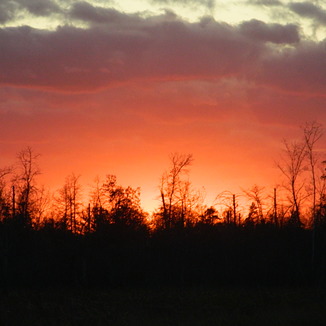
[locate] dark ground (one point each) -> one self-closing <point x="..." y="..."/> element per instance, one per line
<point x="165" y="306"/>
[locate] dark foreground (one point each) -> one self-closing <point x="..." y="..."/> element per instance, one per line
<point x="165" y="306"/>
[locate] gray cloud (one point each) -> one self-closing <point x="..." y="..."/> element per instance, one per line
<point x="9" y="9"/>
<point x="210" y="4"/>
<point x="141" y="48"/>
<point x="302" y="69"/>
<point x="40" y="7"/>
<point x="309" y="10"/>
<point x="275" y="33"/>
<point x="87" y="12"/>
<point x="130" y="47"/>
<point x="268" y="3"/>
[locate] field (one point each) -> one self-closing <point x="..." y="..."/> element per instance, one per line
<point x="165" y="306"/>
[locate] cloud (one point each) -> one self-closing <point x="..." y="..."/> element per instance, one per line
<point x="129" y="48"/>
<point x="268" y="3"/>
<point x="275" y="33"/>
<point x="10" y="9"/>
<point x="7" y="10"/>
<point x="309" y="10"/>
<point x="302" y="69"/>
<point x="119" y="48"/>
<point x="86" y="12"/>
<point x="210" y="4"/>
<point x="39" y="7"/>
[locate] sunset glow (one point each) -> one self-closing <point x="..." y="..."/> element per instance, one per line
<point x="115" y="87"/>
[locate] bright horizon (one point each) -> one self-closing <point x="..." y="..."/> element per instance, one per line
<point x="114" y="87"/>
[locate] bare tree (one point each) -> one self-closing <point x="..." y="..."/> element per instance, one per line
<point x="4" y="193"/>
<point x="173" y="188"/>
<point x="69" y="202"/>
<point x="292" y="167"/>
<point x="41" y="206"/>
<point x="320" y="217"/>
<point x="25" y="181"/>
<point x="312" y="132"/>
<point x="255" y="194"/>
<point x="191" y="204"/>
<point x="95" y="208"/>
<point x="231" y="202"/>
<point x="97" y="195"/>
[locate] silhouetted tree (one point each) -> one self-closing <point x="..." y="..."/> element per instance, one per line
<point x="253" y="215"/>
<point x="191" y="205"/>
<point x="320" y="218"/>
<point x="230" y="201"/>
<point x="228" y="216"/>
<point x="41" y="207"/>
<point x="5" y="194"/>
<point x="292" y="167"/>
<point x="274" y="216"/>
<point x="69" y="203"/>
<point x="174" y="190"/>
<point x="116" y="205"/>
<point x="25" y="184"/>
<point x="210" y="216"/>
<point x="312" y="132"/>
<point x="255" y="193"/>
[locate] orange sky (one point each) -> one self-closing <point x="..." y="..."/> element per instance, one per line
<point x="115" y="92"/>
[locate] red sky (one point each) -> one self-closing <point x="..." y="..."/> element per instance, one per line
<point x="104" y="90"/>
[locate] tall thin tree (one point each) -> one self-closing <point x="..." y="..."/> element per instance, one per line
<point x="312" y="132"/>
<point x="292" y="167"/>
<point x="28" y="170"/>
<point x="172" y="185"/>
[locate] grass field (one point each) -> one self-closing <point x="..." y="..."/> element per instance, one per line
<point x="165" y="306"/>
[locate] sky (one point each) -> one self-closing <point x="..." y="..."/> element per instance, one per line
<point x="114" y="87"/>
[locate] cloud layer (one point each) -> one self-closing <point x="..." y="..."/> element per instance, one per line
<point x="120" y="47"/>
<point x="116" y="47"/>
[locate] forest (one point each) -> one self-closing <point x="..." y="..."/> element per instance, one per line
<point x="109" y="240"/>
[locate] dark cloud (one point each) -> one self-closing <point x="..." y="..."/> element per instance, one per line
<point x="309" y="10"/>
<point x="210" y="4"/>
<point x="9" y="9"/>
<point x="113" y="18"/>
<point x="269" y="3"/>
<point x="40" y="7"/>
<point x="77" y="58"/>
<point x="124" y="48"/>
<point x="85" y="11"/>
<point x="302" y="69"/>
<point x="275" y="33"/>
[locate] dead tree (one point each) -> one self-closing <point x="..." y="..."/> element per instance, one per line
<point x="173" y="186"/>
<point x="25" y="183"/>
<point x="255" y="194"/>
<point x="292" y="167"/>
<point x="312" y="132"/>
<point x="69" y="202"/>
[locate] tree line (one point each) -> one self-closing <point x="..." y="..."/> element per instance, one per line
<point x="58" y="239"/>
<point x="300" y="200"/>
